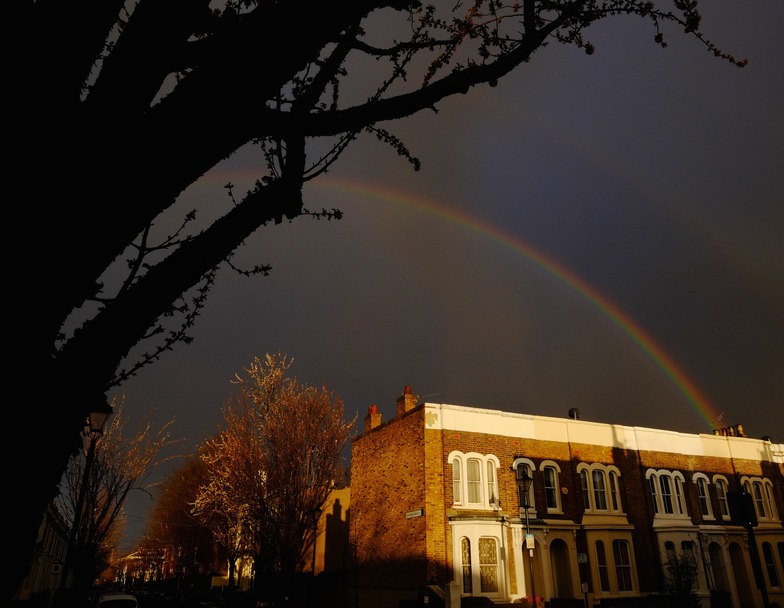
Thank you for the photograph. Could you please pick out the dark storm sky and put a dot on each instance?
(603, 232)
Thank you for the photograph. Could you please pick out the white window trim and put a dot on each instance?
(474, 531)
(608, 538)
(461, 501)
(558, 508)
(679, 510)
(770, 499)
(695, 479)
(608, 487)
(766, 487)
(725, 501)
(630, 566)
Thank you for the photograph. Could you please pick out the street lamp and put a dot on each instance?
(96, 421)
(524, 481)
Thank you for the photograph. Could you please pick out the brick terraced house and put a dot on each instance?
(436, 504)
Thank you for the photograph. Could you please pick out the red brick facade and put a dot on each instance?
(610, 504)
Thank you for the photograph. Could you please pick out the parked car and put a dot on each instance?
(116, 599)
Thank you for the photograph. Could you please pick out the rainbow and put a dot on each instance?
(641, 338)
(437, 209)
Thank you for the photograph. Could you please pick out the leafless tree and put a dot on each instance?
(118, 106)
(172, 530)
(96, 484)
(273, 466)
(221, 505)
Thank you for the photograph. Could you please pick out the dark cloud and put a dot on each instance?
(653, 175)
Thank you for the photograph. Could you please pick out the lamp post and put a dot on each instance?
(524, 482)
(96, 422)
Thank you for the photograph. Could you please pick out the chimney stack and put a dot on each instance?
(406, 401)
(373, 418)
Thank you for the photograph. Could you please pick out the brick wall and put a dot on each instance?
(387, 472)
(400, 467)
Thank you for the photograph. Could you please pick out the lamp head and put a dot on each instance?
(524, 480)
(98, 418)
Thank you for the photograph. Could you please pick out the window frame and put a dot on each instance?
(554, 490)
(595, 494)
(491, 483)
(674, 499)
(602, 567)
(615, 499)
(761, 491)
(770, 500)
(599, 483)
(457, 481)
(475, 494)
(665, 493)
(465, 486)
(769, 562)
(780, 547)
(623, 566)
(721, 485)
(702, 488)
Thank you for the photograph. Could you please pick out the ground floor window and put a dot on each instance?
(601, 566)
(488, 565)
(479, 559)
(468, 586)
(612, 562)
(623, 565)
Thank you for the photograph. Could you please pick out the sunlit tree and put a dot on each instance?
(95, 487)
(116, 107)
(221, 503)
(172, 530)
(273, 465)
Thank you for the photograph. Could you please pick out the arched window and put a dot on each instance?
(781, 552)
(457, 480)
(721, 493)
(614, 500)
(492, 486)
(601, 566)
(759, 499)
(665, 485)
(599, 490)
(667, 493)
(703, 496)
(488, 565)
(679, 504)
(687, 550)
(769, 499)
(586, 489)
(465, 550)
(770, 564)
(474, 480)
(597, 482)
(623, 565)
(761, 491)
(552, 496)
(669, 550)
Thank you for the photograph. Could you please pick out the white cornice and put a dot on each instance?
(440, 416)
